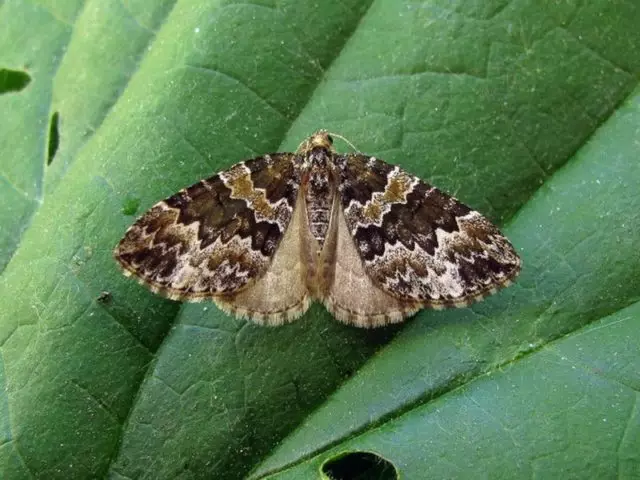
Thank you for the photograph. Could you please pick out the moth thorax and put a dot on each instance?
(318, 194)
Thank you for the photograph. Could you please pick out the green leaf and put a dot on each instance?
(525, 110)
(32, 41)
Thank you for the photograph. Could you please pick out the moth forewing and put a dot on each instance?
(216, 237)
(418, 243)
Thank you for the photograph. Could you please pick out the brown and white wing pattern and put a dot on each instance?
(352, 296)
(416, 243)
(269, 235)
(281, 294)
(218, 237)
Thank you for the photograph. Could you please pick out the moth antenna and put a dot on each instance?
(337, 135)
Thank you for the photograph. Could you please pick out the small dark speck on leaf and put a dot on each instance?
(130, 206)
(104, 297)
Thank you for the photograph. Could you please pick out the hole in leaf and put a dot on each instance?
(359, 466)
(54, 138)
(13, 80)
(130, 206)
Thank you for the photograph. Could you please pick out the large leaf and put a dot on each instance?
(491, 100)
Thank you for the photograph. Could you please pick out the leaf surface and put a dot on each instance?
(524, 110)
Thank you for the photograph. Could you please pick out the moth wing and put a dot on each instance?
(352, 296)
(217, 237)
(281, 294)
(417, 243)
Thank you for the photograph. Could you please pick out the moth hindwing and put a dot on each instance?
(268, 236)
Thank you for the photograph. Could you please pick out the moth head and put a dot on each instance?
(320, 139)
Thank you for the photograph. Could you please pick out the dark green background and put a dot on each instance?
(529, 111)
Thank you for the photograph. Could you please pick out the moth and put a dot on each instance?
(270, 235)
